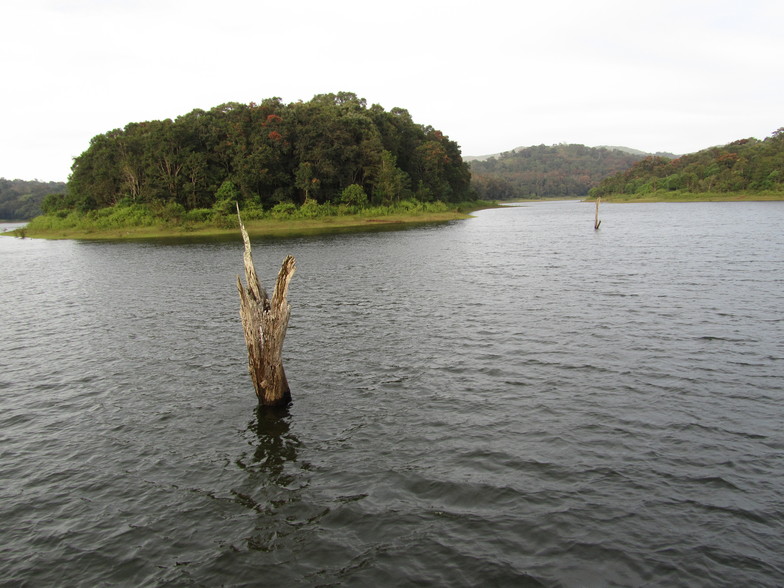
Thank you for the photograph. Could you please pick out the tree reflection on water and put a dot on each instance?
(274, 483)
(274, 445)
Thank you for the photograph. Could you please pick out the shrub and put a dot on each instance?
(225, 206)
(199, 215)
(253, 212)
(408, 205)
(172, 212)
(354, 195)
(283, 210)
(309, 209)
(136, 215)
(226, 221)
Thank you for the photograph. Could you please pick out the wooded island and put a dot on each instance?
(332, 155)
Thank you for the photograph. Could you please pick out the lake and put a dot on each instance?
(515, 399)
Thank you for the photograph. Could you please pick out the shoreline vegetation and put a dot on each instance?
(125, 222)
(685, 196)
(128, 222)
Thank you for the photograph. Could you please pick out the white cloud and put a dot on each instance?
(674, 75)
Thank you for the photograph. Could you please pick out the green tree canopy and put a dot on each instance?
(270, 153)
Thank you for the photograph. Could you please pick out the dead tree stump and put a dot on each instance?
(596, 221)
(264, 321)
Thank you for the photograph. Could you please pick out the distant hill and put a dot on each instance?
(743, 165)
(611, 147)
(486, 157)
(666, 154)
(547, 171)
(21, 199)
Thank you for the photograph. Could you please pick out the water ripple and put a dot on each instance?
(513, 400)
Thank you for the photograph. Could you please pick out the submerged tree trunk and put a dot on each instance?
(265, 321)
(596, 221)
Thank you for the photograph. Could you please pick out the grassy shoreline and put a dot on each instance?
(680, 196)
(256, 228)
(295, 227)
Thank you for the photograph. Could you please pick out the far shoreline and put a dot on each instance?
(660, 196)
(359, 223)
(255, 228)
(677, 196)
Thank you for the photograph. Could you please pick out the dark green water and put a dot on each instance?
(511, 400)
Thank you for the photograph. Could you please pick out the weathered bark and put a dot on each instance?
(596, 221)
(264, 321)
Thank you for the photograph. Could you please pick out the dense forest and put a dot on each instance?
(331, 149)
(746, 164)
(21, 200)
(543, 171)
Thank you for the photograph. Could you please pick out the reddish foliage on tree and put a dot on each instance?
(727, 159)
(275, 136)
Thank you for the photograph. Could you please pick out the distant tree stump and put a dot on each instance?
(596, 222)
(264, 321)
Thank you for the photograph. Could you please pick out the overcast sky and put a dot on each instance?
(670, 75)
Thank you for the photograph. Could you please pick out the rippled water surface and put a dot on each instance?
(511, 400)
